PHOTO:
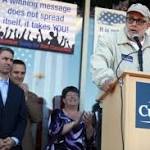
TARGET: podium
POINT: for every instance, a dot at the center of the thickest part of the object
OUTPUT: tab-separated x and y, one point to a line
126	114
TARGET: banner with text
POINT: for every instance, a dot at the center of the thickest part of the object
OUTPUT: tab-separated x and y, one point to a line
107	21
38	24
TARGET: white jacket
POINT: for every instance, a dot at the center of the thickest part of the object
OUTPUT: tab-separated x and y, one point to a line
111	50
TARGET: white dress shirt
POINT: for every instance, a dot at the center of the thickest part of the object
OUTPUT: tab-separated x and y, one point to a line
4	89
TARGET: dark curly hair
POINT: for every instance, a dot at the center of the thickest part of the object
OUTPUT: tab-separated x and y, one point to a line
69	89
65	91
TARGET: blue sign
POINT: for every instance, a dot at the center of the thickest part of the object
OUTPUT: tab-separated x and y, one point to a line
142	105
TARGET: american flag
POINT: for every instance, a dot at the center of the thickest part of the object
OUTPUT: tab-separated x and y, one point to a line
110	18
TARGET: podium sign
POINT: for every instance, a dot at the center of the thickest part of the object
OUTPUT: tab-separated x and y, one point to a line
142	105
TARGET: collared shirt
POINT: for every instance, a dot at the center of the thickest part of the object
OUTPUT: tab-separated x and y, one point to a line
4	89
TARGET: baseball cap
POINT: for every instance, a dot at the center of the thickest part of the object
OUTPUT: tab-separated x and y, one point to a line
142	9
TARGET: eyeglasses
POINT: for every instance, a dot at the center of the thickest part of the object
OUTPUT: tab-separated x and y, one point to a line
138	21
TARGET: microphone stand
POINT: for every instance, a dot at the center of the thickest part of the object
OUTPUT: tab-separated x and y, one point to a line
140	53
140	58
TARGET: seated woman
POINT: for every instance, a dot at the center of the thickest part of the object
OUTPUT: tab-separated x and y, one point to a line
70	129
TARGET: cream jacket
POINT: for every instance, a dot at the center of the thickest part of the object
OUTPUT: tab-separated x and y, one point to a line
117	49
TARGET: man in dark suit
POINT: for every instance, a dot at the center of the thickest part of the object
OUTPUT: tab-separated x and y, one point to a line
17	75
13	112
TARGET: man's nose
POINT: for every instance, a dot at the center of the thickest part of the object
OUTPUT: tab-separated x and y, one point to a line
9	62
134	22
19	75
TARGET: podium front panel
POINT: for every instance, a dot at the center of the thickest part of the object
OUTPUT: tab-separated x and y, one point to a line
120	122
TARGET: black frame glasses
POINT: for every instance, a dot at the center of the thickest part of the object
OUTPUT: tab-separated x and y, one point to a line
131	20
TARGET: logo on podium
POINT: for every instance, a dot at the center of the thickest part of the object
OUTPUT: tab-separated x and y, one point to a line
142	105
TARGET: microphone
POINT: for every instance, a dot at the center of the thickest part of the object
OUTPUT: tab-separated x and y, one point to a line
140	53
135	37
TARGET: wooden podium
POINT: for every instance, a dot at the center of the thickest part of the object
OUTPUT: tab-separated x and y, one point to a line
119	120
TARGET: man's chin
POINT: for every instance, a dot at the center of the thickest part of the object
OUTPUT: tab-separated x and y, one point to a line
16	82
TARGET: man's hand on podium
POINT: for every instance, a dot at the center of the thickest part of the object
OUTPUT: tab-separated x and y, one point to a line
108	86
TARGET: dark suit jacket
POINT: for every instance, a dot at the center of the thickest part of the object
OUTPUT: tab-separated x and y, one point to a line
13	115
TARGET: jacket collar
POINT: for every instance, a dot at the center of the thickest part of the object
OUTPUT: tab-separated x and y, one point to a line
124	40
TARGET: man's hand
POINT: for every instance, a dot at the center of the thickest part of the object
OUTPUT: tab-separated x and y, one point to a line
108	86
25	87
8	143
1	144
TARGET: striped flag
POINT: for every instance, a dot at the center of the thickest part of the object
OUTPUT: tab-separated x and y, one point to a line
107	21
